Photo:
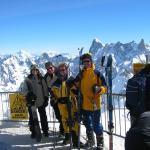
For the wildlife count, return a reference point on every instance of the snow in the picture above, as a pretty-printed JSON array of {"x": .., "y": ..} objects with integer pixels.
[
  {"x": 14, "y": 67},
  {"x": 17, "y": 135},
  {"x": 4, "y": 146}
]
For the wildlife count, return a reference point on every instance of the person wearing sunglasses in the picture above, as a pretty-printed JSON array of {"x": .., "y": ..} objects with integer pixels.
[
  {"x": 35, "y": 88},
  {"x": 60, "y": 92},
  {"x": 50, "y": 77},
  {"x": 92, "y": 85}
]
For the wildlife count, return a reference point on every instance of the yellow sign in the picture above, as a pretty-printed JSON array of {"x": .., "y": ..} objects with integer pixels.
[
  {"x": 137, "y": 67},
  {"x": 18, "y": 107}
]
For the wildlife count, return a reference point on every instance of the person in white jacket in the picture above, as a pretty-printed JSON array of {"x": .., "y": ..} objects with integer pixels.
[{"x": 34, "y": 87}]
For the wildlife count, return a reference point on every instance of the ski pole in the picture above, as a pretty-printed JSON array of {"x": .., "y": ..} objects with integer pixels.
[
  {"x": 79, "y": 100},
  {"x": 54, "y": 130}
]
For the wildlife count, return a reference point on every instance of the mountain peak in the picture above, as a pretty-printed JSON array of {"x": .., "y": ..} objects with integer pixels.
[
  {"x": 142, "y": 45},
  {"x": 96, "y": 45},
  {"x": 15, "y": 67}
]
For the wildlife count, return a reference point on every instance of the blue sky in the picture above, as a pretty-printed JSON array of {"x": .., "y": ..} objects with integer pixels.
[{"x": 66, "y": 25}]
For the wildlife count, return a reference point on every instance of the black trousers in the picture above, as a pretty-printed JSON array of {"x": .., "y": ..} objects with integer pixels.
[
  {"x": 43, "y": 119},
  {"x": 137, "y": 140},
  {"x": 58, "y": 117}
]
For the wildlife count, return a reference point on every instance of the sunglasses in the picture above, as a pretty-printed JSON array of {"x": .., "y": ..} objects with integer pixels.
[
  {"x": 62, "y": 70},
  {"x": 86, "y": 61},
  {"x": 50, "y": 68},
  {"x": 35, "y": 69}
]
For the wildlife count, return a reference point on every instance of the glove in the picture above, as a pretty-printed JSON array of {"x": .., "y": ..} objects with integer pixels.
[
  {"x": 45, "y": 104},
  {"x": 31, "y": 98},
  {"x": 70, "y": 81},
  {"x": 52, "y": 102},
  {"x": 31, "y": 103},
  {"x": 76, "y": 116},
  {"x": 96, "y": 89}
]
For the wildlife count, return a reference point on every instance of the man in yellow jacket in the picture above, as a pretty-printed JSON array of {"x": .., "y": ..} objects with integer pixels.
[
  {"x": 92, "y": 85},
  {"x": 61, "y": 93}
]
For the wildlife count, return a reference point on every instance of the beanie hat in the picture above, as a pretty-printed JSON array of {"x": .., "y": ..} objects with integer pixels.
[
  {"x": 48, "y": 64},
  {"x": 34, "y": 66},
  {"x": 86, "y": 55},
  {"x": 62, "y": 65}
]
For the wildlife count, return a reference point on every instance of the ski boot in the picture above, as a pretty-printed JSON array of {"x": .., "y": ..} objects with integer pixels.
[
  {"x": 67, "y": 139},
  {"x": 75, "y": 140},
  {"x": 100, "y": 142},
  {"x": 46, "y": 134},
  {"x": 91, "y": 140},
  {"x": 32, "y": 136},
  {"x": 61, "y": 134}
]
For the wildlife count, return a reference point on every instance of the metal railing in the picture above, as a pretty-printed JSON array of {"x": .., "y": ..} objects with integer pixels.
[{"x": 120, "y": 120}]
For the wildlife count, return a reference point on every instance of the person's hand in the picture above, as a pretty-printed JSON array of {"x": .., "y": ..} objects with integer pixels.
[
  {"x": 45, "y": 104},
  {"x": 97, "y": 89},
  {"x": 70, "y": 82},
  {"x": 76, "y": 116},
  {"x": 52, "y": 102}
]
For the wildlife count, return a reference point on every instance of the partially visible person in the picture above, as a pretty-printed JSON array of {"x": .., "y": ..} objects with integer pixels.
[
  {"x": 138, "y": 136},
  {"x": 60, "y": 92},
  {"x": 35, "y": 86},
  {"x": 92, "y": 85},
  {"x": 50, "y": 77}
]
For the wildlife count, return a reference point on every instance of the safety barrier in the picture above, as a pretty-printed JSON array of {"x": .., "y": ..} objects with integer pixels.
[{"x": 120, "y": 120}]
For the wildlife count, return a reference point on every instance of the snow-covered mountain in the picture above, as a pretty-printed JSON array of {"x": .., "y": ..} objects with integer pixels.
[{"x": 14, "y": 67}]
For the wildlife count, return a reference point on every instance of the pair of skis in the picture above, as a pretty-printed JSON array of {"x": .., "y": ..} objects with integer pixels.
[
  {"x": 37, "y": 130},
  {"x": 108, "y": 69}
]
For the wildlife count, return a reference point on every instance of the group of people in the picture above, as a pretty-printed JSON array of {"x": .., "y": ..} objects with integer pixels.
[{"x": 70, "y": 98}]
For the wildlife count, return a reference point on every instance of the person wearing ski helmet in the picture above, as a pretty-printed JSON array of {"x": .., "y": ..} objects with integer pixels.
[
  {"x": 35, "y": 88},
  {"x": 61, "y": 93},
  {"x": 50, "y": 77},
  {"x": 92, "y": 85}
]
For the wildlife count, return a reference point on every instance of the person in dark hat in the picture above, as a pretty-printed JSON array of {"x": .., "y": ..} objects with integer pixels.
[
  {"x": 50, "y": 77},
  {"x": 35, "y": 88},
  {"x": 92, "y": 85},
  {"x": 86, "y": 56}
]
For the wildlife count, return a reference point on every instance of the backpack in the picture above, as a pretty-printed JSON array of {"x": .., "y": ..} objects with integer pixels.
[
  {"x": 97, "y": 73},
  {"x": 136, "y": 94}
]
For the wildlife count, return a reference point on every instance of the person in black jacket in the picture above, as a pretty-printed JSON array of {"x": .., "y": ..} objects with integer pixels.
[
  {"x": 50, "y": 78},
  {"x": 138, "y": 136},
  {"x": 35, "y": 88}
]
